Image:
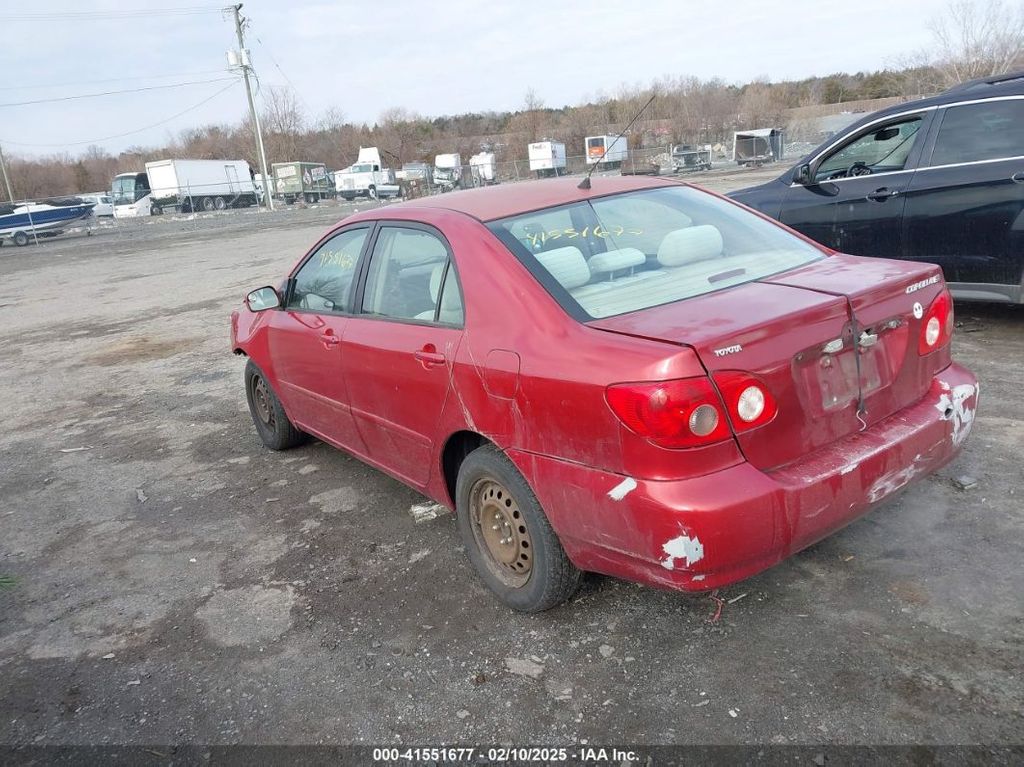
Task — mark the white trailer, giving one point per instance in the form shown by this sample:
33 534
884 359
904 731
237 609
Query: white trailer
547 158
482 168
366 177
607 150
184 185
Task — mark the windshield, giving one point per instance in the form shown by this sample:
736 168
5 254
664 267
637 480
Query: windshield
123 190
626 252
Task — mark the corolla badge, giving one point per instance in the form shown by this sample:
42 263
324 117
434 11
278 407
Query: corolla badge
728 350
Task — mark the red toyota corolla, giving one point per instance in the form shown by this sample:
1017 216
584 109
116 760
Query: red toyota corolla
641 379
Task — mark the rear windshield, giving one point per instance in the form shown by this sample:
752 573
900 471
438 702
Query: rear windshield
631 251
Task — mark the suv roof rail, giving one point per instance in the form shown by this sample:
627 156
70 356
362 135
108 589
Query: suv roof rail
991 80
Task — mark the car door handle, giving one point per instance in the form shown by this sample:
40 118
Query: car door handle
329 340
1018 178
429 358
883 194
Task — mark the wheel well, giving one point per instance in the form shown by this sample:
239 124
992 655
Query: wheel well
459 445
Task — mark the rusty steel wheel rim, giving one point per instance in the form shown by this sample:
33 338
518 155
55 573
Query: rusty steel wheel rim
501 533
261 400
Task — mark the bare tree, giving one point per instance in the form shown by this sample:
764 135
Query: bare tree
978 39
283 122
531 119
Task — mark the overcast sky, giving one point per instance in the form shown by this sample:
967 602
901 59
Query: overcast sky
430 57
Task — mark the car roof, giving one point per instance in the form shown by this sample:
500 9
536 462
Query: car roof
502 200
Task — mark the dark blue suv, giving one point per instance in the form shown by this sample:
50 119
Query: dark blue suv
940 180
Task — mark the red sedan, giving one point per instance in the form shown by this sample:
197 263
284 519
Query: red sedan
640 379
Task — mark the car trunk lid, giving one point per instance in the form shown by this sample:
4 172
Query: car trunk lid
834 342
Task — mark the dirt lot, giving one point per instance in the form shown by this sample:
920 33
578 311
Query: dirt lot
177 583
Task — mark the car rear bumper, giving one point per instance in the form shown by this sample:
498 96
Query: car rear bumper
707 532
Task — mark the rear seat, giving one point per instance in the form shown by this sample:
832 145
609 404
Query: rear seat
614 272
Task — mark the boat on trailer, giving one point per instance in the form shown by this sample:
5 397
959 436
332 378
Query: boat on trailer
23 221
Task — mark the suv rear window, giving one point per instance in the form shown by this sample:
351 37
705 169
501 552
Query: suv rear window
989 130
625 252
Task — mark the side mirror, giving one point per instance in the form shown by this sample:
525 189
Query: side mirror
262 299
802 175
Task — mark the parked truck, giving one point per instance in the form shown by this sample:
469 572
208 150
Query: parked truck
367 177
547 158
183 185
448 171
609 151
758 146
301 181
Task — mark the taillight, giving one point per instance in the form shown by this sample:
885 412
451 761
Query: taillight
747 399
682 413
936 324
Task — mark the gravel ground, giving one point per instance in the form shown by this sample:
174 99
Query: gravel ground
177 583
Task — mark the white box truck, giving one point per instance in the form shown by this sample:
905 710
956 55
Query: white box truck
184 185
366 177
610 151
547 158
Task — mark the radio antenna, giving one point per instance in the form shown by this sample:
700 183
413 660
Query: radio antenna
585 183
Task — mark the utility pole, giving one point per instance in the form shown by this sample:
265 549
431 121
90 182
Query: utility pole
7 181
244 63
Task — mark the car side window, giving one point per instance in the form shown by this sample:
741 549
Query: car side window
405 275
324 282
989 130
451 311
881 150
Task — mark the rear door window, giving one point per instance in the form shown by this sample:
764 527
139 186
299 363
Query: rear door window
990 130
405 277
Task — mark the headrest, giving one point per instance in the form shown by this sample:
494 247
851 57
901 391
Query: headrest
689 245
614 260
567 265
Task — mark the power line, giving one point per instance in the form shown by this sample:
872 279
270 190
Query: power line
103 15
111 80
113 93
131 132
277 66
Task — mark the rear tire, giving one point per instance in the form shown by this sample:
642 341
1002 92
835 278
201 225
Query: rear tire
272 424
208 204
20 239
510 542
219 203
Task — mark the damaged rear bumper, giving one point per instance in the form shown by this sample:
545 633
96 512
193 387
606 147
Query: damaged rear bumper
707 532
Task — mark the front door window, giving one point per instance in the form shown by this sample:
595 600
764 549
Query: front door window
881 150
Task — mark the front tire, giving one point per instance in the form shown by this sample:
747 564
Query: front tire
272 424
20 239
508 538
